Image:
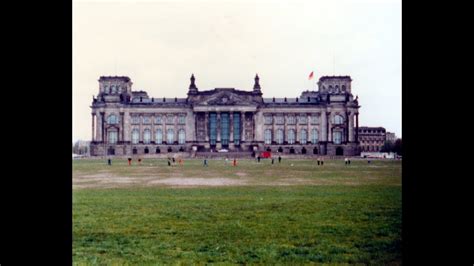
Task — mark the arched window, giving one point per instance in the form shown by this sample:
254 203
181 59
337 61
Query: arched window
170 136
291 136
112 119
147 150
112 136
158 136
343 88
158 150
337 88
337 137
304 136
338 120
268 136
181 136
279 136
314 136
134 151
113 89
146 136
135 136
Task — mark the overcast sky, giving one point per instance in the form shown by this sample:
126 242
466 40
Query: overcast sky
159 44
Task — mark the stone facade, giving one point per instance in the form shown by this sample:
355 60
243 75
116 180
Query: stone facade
391 137
371 139
323 122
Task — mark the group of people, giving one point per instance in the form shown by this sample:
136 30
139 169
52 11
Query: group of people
172 161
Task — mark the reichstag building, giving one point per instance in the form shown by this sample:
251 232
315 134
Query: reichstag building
127 122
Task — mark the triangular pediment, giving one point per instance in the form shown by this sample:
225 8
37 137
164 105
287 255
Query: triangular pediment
225 98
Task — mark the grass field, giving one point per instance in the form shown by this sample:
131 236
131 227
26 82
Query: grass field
295 212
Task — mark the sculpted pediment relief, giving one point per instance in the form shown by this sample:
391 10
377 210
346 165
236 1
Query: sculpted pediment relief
226 98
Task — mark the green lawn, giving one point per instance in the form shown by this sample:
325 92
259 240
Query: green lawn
280 214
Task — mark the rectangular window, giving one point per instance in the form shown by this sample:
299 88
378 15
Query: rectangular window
146 120
169 119
236 128
182 119
302 119
212 128
337 137
291 120
158 119
314 119
225 129
113 137
268 120
135 120
280 120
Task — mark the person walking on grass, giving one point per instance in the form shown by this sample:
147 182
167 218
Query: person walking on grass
279 159
109 161
235 162
129 161
205 162
169 161
273 160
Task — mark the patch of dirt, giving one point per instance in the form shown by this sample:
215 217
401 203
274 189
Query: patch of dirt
194 181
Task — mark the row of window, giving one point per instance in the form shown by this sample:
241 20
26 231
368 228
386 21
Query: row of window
335 89
112 89
291 136
291 120
370 131
170 136
371 148
169 119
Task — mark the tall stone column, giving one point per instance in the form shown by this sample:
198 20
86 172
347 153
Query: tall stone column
218 126
357 128
122 127
324 126
231 127
242 136
329 127
93 127
126 126
140 130
191 126
206 127
273 130
98 124
308 129
351 127
102 126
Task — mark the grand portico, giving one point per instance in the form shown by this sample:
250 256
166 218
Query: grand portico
126 122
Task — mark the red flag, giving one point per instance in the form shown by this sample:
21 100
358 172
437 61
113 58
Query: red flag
311 75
